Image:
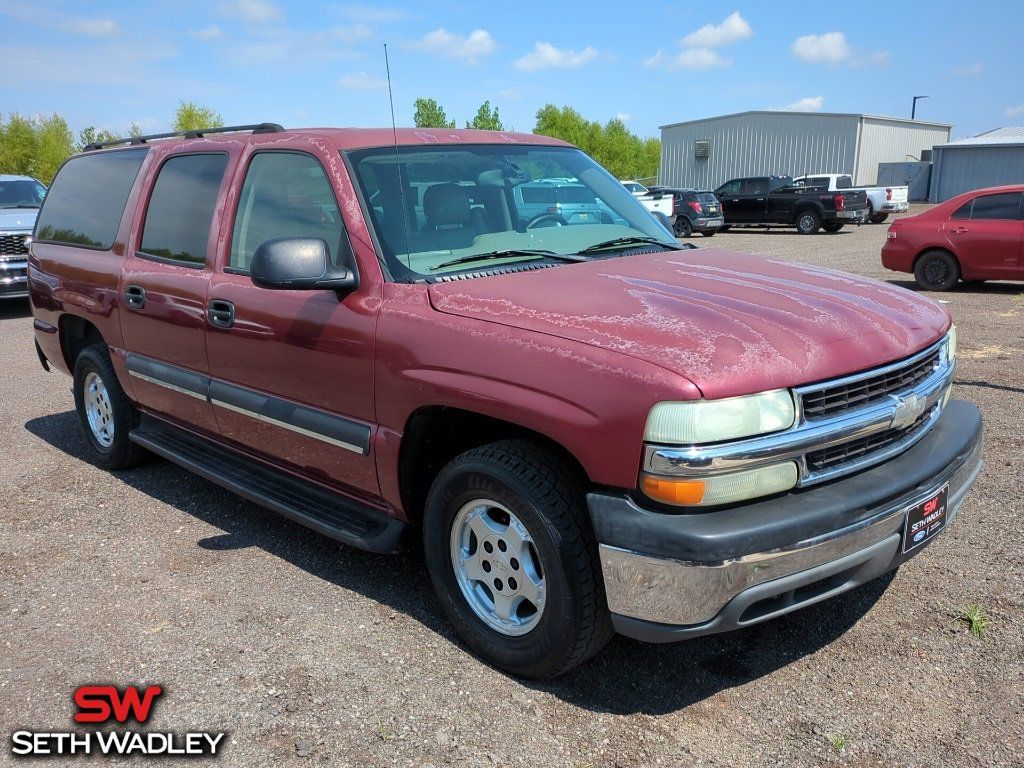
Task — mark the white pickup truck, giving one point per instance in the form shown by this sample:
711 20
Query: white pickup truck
881 200
655 202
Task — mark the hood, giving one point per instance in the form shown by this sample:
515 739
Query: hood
18 218
732 324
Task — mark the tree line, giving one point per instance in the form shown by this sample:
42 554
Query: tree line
37 146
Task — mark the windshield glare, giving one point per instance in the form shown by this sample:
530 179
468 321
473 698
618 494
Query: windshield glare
436 204
21 193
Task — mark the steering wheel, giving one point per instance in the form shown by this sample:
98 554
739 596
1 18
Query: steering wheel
537 221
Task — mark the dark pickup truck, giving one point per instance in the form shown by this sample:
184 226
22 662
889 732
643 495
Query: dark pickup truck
766 200
586 427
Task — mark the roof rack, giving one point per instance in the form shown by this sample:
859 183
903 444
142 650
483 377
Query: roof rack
254 128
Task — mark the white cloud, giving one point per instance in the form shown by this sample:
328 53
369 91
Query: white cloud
1014 111
212 32
689 59
545 56
256 11
972 71
91 27
51 19
623 116
372 14
468 48
361 81
733 29
829 48
806 104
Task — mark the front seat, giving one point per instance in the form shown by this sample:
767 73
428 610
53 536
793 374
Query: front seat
451 223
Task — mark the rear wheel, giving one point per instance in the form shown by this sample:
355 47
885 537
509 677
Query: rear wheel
808 222
877 218
514 561
832 226
104 411
708 233
936 270
682 226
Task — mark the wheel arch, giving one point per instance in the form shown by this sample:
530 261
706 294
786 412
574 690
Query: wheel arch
928 249
435 434
76 333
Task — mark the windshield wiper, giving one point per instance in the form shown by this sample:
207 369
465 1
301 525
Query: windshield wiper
21 205
631 240
504 255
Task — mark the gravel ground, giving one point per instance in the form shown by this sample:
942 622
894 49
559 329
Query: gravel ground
310 653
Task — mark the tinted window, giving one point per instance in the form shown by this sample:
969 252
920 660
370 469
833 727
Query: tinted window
285 194
86 200
181 207
575 194
964 211
1002 206
730 187
537 194
755 187
844 182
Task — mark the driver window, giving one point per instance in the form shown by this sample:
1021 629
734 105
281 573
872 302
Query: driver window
285 194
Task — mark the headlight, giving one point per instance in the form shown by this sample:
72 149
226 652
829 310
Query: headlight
951 345
708 421
721 489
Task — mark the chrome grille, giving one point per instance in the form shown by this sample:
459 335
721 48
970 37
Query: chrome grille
836 399
13 245
833 456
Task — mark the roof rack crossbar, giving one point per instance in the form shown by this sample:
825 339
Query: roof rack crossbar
198 134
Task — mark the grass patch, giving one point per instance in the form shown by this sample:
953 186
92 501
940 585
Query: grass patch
838 742
383 730
975 617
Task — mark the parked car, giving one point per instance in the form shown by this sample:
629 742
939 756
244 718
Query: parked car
557 202
775 200
20 198
693 211
652 199
588 428
974 237
881 200
635 187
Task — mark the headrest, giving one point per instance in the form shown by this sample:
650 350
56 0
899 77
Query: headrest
446 204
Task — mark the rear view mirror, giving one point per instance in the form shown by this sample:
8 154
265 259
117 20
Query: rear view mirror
298 263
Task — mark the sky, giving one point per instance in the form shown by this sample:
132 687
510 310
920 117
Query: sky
322 63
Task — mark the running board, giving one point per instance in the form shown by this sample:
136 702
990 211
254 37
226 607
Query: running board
329 513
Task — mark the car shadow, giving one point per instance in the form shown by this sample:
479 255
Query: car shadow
990 288
12 308
787 231
626 677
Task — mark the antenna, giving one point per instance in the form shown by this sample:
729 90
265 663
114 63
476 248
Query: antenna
398 163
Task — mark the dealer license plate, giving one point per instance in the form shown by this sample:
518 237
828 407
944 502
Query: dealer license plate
925 519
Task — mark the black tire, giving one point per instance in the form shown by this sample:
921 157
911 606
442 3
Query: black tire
119 415
877 218
972 283
682 226
808 222
724 229
936 270
708 233
832 227
537 486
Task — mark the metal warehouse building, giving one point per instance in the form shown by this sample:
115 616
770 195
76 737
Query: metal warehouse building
706 153
987 160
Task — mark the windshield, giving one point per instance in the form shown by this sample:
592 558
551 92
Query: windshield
21 193
435 209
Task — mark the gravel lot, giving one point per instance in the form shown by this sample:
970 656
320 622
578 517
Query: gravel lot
310 653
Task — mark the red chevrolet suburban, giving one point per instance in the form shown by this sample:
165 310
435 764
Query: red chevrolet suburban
588 427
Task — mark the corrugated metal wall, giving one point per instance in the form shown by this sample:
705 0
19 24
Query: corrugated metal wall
755 143
893 141
961 169
915 176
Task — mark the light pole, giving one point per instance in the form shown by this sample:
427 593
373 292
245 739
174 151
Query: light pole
913 107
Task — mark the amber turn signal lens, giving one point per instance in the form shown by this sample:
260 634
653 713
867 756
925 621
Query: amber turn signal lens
673 491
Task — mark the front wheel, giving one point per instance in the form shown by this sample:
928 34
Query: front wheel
514 561
808 222
936 270
104 411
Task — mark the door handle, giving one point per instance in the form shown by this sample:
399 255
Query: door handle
135 295
760 199
959 230
221 313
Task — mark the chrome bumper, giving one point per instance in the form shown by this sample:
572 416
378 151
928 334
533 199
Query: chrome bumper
692 596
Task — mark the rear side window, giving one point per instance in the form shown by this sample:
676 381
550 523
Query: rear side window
285 194
177 226
1002 206
87 198
844 182
574 194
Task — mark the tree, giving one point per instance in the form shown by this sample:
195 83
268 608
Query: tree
90 135
486 119
34 147
430 114
614 146
19 145
56 143
190 116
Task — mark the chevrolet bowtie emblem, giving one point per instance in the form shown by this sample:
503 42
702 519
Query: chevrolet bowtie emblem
908 410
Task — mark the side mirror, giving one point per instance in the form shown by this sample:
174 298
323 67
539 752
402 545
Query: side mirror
298 264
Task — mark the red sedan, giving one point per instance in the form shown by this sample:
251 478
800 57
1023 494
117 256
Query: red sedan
973 237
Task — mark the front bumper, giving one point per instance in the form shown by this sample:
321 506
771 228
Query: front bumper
13 278
670 576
